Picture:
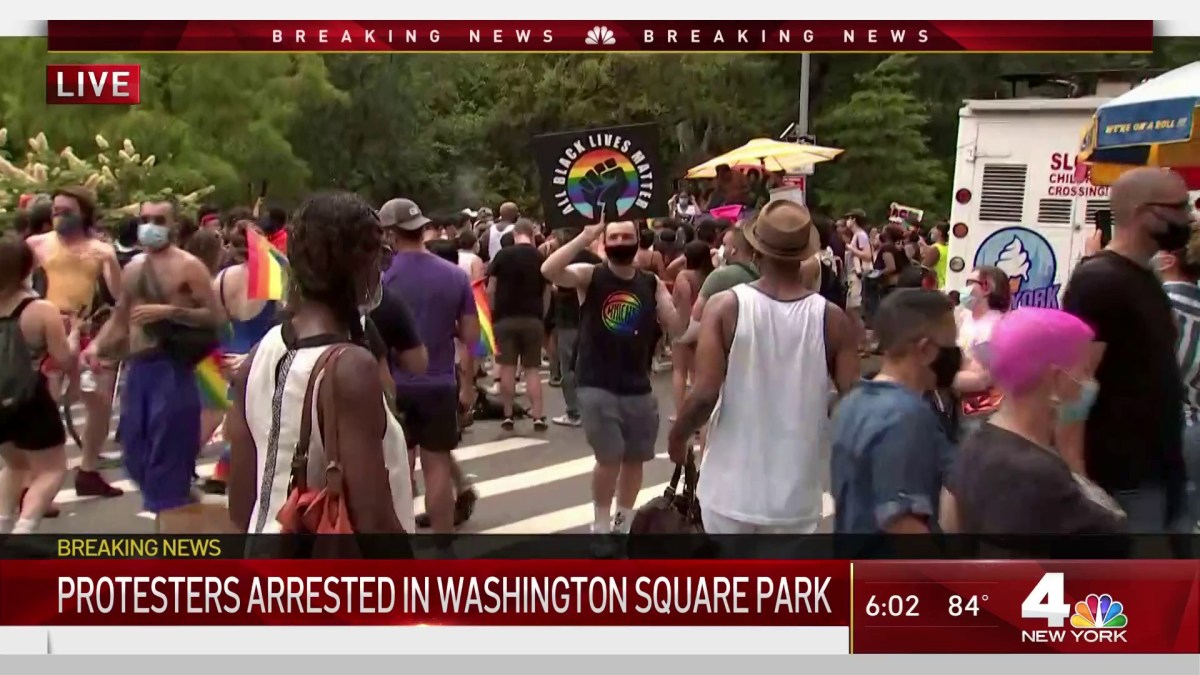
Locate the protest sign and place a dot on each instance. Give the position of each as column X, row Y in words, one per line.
column 612, row 171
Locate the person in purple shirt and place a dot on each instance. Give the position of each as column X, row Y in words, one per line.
column 438, row 294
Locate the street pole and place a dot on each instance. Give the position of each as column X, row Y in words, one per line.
column 802, row 119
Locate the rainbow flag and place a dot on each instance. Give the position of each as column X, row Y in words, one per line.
column 210, row 378
column 487, row 336
column 266, row 267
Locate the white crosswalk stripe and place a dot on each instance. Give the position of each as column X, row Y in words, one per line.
column 525, row 486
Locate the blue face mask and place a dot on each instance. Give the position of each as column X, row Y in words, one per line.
column 1071, row 412
column 153, row 237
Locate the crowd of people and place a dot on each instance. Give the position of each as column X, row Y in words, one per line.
column 808, row 357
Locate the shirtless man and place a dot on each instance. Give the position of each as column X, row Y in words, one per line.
column 75, row 263
column 160, row 403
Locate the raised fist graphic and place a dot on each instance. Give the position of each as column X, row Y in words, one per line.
column 602, row 185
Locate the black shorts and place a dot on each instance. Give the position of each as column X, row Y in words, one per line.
column 430, row 416
column 519, row 340
column 36, row 424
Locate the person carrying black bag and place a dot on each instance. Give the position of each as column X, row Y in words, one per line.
column 166, row 317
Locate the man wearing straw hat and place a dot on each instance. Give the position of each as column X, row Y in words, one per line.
column 763, row 469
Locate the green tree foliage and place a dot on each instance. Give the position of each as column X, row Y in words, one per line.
column 220, row 120
column 455, row 130
column 887, row 156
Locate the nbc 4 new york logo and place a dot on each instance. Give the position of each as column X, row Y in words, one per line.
column 1097, row 618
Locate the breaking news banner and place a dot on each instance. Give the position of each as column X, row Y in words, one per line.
column 600, row 36
column 418, row 592
column 612, row 171
column 133, row 585
column 1144, row 606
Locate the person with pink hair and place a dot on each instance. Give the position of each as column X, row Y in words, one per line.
column 1009, row 478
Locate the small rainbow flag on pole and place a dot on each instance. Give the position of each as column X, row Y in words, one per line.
column 266, row 268
column 210, row 378
column 487, row 336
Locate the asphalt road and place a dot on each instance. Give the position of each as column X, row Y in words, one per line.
column 529, row 482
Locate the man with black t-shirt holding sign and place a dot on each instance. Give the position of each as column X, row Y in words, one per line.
column 619, row 306
column 1132, row 442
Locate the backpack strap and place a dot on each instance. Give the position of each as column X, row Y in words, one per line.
column 16, row 313
column 221, row 290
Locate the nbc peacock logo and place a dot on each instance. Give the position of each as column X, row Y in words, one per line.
column 600, row 35
column 1098, row 612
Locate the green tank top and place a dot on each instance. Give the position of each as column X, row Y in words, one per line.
column 943, row 259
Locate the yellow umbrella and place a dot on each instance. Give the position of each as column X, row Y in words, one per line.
column 773, row 155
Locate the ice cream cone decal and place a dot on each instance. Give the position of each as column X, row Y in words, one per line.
column 1014, row 261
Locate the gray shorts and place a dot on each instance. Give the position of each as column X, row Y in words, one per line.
column 619, row 428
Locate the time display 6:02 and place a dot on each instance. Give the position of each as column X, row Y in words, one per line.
column 893, row 605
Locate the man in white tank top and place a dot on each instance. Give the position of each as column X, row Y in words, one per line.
column 767, row 352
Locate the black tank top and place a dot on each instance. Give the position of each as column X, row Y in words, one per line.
column 616, row 332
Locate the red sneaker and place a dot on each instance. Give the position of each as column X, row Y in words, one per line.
column 92, row 484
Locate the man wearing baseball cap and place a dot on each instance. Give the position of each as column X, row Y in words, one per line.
column 439, row 295
column 763, row 471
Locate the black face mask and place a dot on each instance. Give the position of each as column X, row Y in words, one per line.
column 1174, row 238
column 621, row 254
column 68, row 224
column 946, row 366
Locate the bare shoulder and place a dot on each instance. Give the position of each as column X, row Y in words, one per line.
column 38, row 242
column 42, row 312
column 134, row 267
column 835, row 316
column 355, row 374
column 722, row 306
column 837, row 323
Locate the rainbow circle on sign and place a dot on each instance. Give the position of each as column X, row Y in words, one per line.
column 588, row 174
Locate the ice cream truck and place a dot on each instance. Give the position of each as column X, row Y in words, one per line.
column 1020, row 203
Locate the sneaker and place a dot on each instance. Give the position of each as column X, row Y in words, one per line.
column 92, row 484
column 555, row 382
column 464, row 508
column 493, row 389
column 508, row 424
column 521, row 389
column 567, row 421
column 603, row 544
column 539, row 424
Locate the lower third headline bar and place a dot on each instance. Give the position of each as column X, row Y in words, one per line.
column 532, row 592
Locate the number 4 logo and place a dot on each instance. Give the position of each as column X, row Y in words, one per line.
column 1046, row 601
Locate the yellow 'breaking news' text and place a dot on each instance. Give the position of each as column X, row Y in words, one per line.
column 119, row 547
